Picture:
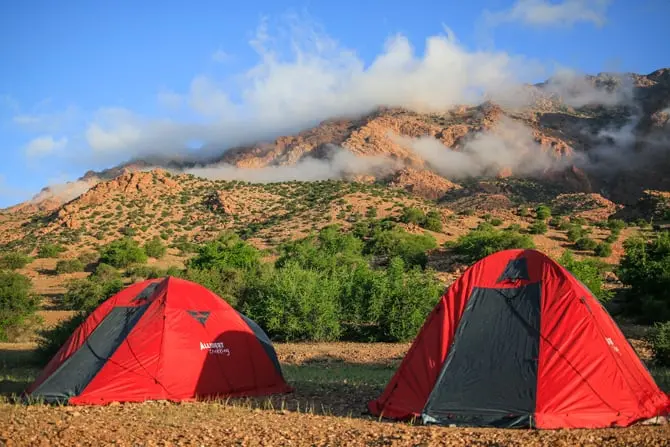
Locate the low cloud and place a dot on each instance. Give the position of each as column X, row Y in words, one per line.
column 45, row 145
column 42, row 121
column 509, row 146
column 220, row 56
column 542, row 13
column 339, row 163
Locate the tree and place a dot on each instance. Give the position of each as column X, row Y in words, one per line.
column 155, row 248
column 122, row 253
column 17, row 303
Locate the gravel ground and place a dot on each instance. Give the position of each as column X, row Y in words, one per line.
column 334, row 381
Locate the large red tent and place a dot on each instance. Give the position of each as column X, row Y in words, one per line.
column 161, row 339
column 518, row 341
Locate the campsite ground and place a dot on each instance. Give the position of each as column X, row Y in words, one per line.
column 333, row 382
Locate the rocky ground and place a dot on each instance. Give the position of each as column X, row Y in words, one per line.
column 333, row 383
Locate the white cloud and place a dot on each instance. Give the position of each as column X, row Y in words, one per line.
column 50, row 122
column 302, row 77
column 169, row 99
column 45, row 145
column 541, row 13
column 220, row 56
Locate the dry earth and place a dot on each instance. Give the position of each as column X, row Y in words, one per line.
column 333, row 381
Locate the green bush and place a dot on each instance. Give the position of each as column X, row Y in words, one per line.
column 659, row 338
column 410, row 247
column 155, row 248
column 88, row 258
column 575, row 232
column 543, row 212
column 537, row 227
column 645, row 267
column 50, row 251
column 616, row 225
column 122, row 253
column 496, row 222
column 228, row 283
column 589, row 271
column 69, row 266
column 14, row 261
column 51, row 339
column 480, row 243
column 87, row 294
column 292, row 303
column 227, row 251
column 17, row 304
column 585, row 243
column 603, row 250
column 105, row 272
column 433, row 224
column 412, row 215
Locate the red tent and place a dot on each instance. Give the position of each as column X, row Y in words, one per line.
column 161, row 339
column 518, row 341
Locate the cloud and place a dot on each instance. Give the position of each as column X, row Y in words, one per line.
column 45, row 145
column 542, row 13
column 340, row 163
column 508, row 146
column 41, row 122
column 220, row 56
column 577, row 89
column 302, row 77
column 169, row 99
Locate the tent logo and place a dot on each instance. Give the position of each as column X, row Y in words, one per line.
column 201, row 316
column 215, row 348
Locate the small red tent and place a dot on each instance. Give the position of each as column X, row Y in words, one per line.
column 161, row 339
column 518, row 341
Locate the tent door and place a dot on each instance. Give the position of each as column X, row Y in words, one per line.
column 490, row 375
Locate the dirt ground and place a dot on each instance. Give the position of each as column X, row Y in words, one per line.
column 333, row 381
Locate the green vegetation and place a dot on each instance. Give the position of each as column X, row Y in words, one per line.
column 17, row 304
column 645, row 267
column 14, row 261
column 538, row 227
column 50, row 251
column 69, row 266
column 585, row 243
column 659, row 339
column 589, row 271
column 122, row 253
column 543, row 212
column 155, row 248
column 485, row 240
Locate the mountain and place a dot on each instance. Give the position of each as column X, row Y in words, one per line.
column 606, row 135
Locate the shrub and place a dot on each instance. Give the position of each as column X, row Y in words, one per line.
column 227, row 251
column 616, row 225
column 603, row 250
column 585, row 243
column 496, row 222
column 537, row 227
column 105, row 272
column 409, row 299
column 155, row 248
column 543, row 212
column 122, row 253
column 69, row 266
column 50, row 251
column 589, row 271
column 228, row 283
column 88, row 258
column 412, row 215
column 659, row 338
column 51, row 339
column 17, row 304
column 433, row 224
column 574, row 233
column 645, row 267
column 479, row 243
column 410, row 247
column 292, row 303
column 14, row 261
column 612, row 238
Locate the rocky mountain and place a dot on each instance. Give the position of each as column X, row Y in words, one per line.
column 606, row 134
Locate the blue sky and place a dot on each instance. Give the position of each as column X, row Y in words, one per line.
column 85, row 85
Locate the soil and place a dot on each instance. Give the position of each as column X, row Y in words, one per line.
column 333, row 381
